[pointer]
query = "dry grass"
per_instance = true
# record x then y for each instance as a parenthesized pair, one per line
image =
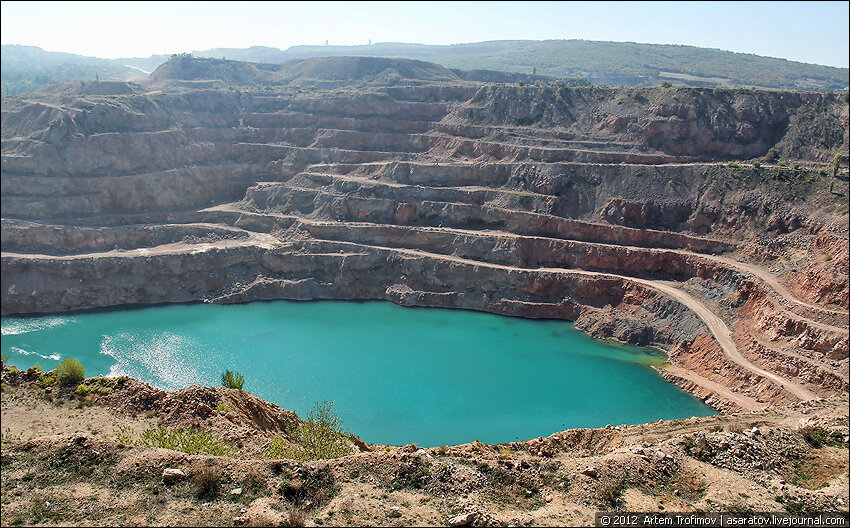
(208, 483)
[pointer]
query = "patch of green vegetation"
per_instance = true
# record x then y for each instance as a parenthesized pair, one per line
(278, 448)
(101, 386)
(189, 441)
(124, 435)
(232, 380)
(319, 436)
(69, 371)
(800, 476)
(817, 436)
(45, 380)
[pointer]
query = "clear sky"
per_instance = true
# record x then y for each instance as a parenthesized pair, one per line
(815, 32)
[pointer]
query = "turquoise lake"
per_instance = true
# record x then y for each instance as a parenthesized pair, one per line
(397, 375)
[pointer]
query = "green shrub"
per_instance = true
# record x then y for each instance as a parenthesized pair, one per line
(232, 380)
(818, 437)
(320, 436)
(188, 441)
(101, 386)
(69, 371)
(222, 408)
(82, 390)
(45, 380)
(278, 448)
(124, 435)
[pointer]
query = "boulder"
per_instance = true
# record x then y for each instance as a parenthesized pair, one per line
(464, 519)
(171, 475)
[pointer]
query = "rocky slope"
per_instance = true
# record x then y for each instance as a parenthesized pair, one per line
(666, 216)
(73, 457)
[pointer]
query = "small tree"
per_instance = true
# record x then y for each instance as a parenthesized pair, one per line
(232, 380)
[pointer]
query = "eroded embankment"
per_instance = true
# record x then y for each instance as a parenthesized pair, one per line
(82, 454)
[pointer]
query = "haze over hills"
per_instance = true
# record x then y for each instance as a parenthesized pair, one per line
(617, 63)
(25, 68)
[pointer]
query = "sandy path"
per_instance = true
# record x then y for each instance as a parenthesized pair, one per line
(724, 336)
(744, 402)
(749, 269)
(773, 282)
(255, 239)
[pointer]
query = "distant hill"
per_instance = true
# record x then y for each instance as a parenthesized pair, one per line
(314, 71)
(25, 68)
(615, 63)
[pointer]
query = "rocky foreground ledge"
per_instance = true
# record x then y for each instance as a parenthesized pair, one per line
(71, 457)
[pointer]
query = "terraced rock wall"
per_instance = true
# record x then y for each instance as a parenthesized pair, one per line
(616, 208)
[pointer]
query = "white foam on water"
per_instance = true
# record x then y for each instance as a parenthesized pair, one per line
(164, 359)
(21, 351)
(25, 326)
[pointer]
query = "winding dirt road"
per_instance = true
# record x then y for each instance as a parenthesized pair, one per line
(716, 326)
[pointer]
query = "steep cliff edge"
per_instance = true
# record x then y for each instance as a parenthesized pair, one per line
(659, 216)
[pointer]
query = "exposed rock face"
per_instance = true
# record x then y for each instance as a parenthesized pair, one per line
(379, 179)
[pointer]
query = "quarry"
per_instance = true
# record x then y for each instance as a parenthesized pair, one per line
(709, 223)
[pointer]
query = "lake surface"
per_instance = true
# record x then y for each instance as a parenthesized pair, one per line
(397, 375)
